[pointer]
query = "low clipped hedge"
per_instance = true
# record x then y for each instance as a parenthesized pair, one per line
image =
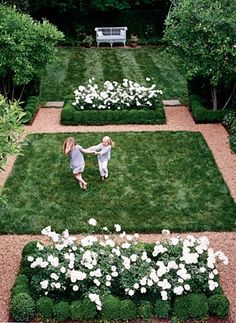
(30, 109)
(71, 116)
(232, 136)
(26, 305)
(203, 115)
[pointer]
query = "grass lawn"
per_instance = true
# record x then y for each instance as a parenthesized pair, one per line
(157, 180)
(76, 65)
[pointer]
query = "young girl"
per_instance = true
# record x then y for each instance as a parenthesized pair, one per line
(103, 151)
(77, 164)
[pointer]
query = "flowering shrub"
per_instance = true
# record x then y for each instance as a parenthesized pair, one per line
(115, 96)
(120, 265)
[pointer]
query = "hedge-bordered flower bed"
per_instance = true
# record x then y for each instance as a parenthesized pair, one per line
(114, 103)
(201, 114)
(118, 278)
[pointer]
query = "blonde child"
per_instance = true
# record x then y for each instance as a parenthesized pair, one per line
(77, 163)
(103, 151)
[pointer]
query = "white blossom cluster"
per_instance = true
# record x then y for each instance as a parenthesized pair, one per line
(93, 266)
(116, 96)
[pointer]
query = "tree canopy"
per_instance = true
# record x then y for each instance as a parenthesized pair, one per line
(27, 46)
(202, 36)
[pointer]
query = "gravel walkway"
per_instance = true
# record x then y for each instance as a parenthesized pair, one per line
(178, 119)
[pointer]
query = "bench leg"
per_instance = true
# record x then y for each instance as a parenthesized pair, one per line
(111, 44)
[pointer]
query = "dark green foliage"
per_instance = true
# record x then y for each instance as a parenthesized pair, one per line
(219, 306)
(191, 306)
(162, 308)
(22, 307)
(232, 137)
(96, 117)
(127, 310)
(144, 310)
(21, 279)
(30, 108)
(197, 306)
(201, 114)
(89, 309)
(180, 308)
(44, 307)
(111, 308)
(30, 248)
(61, 311)
(21, 288)
(77, 311)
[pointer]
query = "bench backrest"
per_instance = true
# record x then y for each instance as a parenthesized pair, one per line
(110, 31)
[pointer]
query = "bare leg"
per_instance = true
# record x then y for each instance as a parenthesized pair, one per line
(82, 182)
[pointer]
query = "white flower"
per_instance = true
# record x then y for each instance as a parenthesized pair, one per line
(187, 287)
(105, 228)
(130, 292)
(75, 288)
(165, 232)
(117, 227)
(54, 276)
(148, 79)
(30, 258)
(44, 284)
(164, 295)
(57, 285)
(136, 286)
(178, 290)
(143, 290)
(133, 257)
(108, 283)
(92, 222)
(63, 270)
(39, 246)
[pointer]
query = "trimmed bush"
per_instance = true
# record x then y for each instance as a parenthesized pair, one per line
(111, 308)
(180, 308)
(144, 310)
(76, 311)
(61, 311)
(45, 308)
(22, 307)
(30, 108)
(21, 279)
(29, 248)
(21, 288)
(101, 117)
(197, 306)
(127, 310)
(219, 306)
(201, 114)
(162, 308)
(89, 309)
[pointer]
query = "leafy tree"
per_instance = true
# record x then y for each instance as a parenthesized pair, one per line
(10, 129)
(202, 35)
(27, 46)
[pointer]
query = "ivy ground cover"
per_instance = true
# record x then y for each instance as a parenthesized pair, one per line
(75, 66)
(157, 180)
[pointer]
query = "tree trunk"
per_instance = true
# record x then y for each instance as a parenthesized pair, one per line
(214, 97)
(231, 96)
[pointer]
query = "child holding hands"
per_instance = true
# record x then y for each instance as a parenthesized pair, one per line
(103, 152)
(77, 163)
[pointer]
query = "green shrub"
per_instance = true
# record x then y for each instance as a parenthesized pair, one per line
(77, 311)
(45, 308)
(232, 141)
(219, 306)
(144, 310)
(21, 279)
(20, 288)
(233, 127)
(30, 108)
(162, 308)
(229, 118)
(111, 308)
(34, 99)
(197, 306)
(89, 309)
(127, 310)
(199, 114)
(27, 117)
(22, 307)
(29, 248)
(180, 308)
(61, 311)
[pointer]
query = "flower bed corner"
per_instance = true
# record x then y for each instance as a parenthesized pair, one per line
(116, 277)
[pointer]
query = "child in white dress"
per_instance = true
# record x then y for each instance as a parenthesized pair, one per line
(103, 151)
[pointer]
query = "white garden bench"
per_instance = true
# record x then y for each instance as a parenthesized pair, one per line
(111, 35)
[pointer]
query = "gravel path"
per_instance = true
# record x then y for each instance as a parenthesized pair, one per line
(178, 119)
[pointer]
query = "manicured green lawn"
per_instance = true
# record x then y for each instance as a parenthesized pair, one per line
(157, 180)
(76, 65)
